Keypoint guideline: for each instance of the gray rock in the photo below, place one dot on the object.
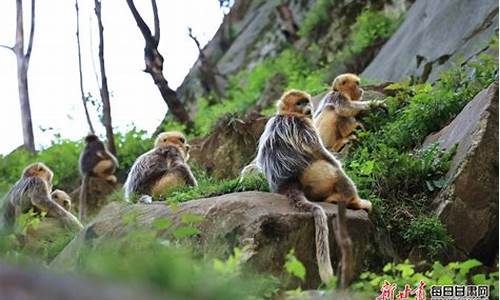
(263, 221)
(433, 36)
(468, 205)
(32, 284)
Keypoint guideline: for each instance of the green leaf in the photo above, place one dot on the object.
(191, 218)
(445, 280)
(294, 266)
(466, 266)
(479, 279)
(161, 223)
(185, 231)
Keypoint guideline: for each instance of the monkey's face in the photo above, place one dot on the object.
(39, 170)
(348, 86)
(61, 198)
(176, 139)
(296, 103)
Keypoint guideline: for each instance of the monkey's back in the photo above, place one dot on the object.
(286, 148)
(150, 167)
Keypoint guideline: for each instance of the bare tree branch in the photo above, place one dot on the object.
(7, 47)
(84, 100)
(32, 32)
(154, 65)
(146, 32)
(106, 106)
(156, 22)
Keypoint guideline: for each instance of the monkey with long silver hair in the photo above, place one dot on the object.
(160, 169)
(297, 165)
(32, 191)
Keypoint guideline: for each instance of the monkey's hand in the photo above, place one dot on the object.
(378, 103)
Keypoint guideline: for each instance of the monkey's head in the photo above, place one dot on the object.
(348, 85)
(91, 138)
(295, 103)
(176, 139)
(39, 170)
(61, 198)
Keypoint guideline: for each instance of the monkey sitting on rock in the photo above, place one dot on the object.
(296, 164)
(95, 161)
(162, 168)
(32, 191)
(335, 116)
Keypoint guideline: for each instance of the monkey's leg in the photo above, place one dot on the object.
(185, 172)
(300, 202)
(358, 203)
(82, 208)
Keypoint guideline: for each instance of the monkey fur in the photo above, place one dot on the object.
(95, 161)
(162, 168)
(297, 165)
(61, 198)
(32, 191)
(335, 116)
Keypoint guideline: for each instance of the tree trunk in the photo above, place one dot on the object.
(106, 107)
(24, 101)
(22, 73)
(84, 100)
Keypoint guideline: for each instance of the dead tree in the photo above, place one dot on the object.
(23, 59)
(208, 71)
(84, 99)
(106, 107)
(154, 64)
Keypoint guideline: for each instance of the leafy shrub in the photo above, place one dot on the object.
(317, 16)
(455, 273)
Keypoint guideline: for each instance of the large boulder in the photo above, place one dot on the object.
(434, 35)
(262, 221)
(231, 146)
(468, 205)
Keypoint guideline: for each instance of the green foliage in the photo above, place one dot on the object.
(27, 220)
(210, 187)
(173, 270)
(318, 16)
(129, 146)
(245, 88)
(370, 27)
(294, 267)
(427, 234)
(459, 273)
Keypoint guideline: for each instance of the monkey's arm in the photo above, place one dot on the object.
(106, 155)
(40, 197)
(185, 172)
(352, 108)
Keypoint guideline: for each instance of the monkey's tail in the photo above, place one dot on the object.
(82, 210)
(343, 239)
(299, 202)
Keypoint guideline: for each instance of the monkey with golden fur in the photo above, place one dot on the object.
(162, 168)
(296, 164)
(61, 198)
(32, 191)
(335, 115)
(95, 161)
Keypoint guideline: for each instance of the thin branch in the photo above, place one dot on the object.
(19, 47)
(91, 43)
(32, 32)
(146, 32)
(84, 100)
(156, 22)
(7, 47)
(190, 32)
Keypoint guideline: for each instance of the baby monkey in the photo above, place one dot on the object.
(335, 115)
(160, 169)
(95, 161)
(32, 191)
(297, 165)
(61, 198)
